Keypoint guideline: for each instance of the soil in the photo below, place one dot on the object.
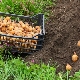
(62, 35)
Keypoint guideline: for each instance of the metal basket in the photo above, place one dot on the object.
(17, 44)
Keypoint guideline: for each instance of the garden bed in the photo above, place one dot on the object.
(62, 35)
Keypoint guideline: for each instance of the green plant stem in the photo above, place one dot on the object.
(67, 75)
(60, 76)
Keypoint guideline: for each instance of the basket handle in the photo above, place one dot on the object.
(41, 22)
(43, 26)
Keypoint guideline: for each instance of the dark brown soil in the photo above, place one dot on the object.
(62, 35)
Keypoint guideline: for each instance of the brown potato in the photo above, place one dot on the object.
(13, 39)
(1, 38)
(7, 18)
(29, 35)
(3, 29)
(20, 22)
(34, 47)
(23, 26)
(32, 44)
(34, 41)
(30, 29)
(37, 27)
(23, 40)
(4, 37)
(32, 33)
(12, 32)
(4, 21)
(10, 28)
(26, 28)
(23, 44)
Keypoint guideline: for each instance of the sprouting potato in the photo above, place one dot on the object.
(7, 18)
(32, 44)
(4, 37)
(13, 39)
(23, 44)
(26, 28)
(26, 24)
(29, 35)
(1, 32)
(23, 40)
(4, 24)
(1, 38)
(20, 22)
(34, 41)
(38, 30)
(30, 29)
(32, 33)
(33, 29)
(28, 46)
(10, 28)
(4, 21)
(8, 23)
(37, 27)
(23, 26)
(8, 38)
(12, 32)
(34, 47)
(18, 25)
(3, 29)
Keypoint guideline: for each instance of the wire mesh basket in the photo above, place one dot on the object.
(21, 44)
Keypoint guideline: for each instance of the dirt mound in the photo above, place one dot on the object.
(62, 35)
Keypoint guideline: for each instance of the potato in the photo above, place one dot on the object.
(23, 44)
(1, 38)
(10, 28)
(12, 32)
(7, 18)
(30, 29)
(29, 35)
(4, 21)
(23, 40)
(34, 47)
(23, 26)
(32, 33)
(4, 37)
(3, 29)
(26, 28)
(20, 22)
(34, 41)
(38, 30)
(4, 24)
(13, 39)
(37, 27)
(32, 44)
(26, 24)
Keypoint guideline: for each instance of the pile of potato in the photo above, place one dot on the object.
(9, 27)
(19, 29)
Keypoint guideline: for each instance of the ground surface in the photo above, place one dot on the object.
(62, 34)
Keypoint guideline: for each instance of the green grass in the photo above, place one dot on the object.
(16, 69)
(26, 7)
